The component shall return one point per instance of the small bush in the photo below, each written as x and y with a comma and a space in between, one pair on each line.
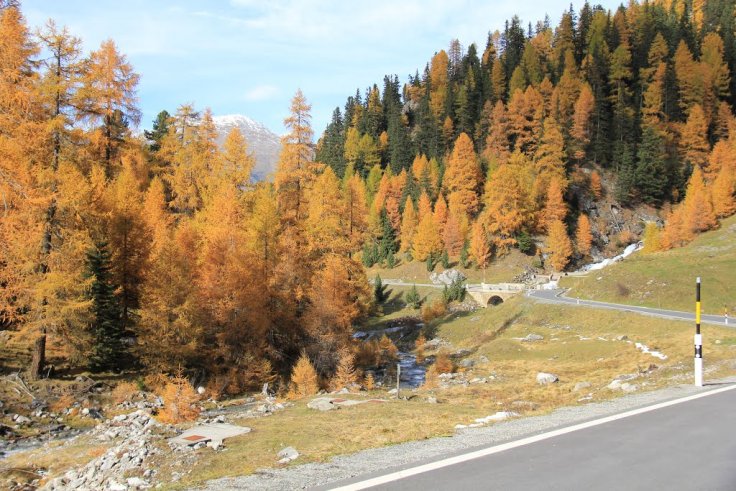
303, 379
413, 298
379, 290
433, 311
626, 237
369, 383
345, 376
62, 403
389, 351
419, 348
445, 260
443, 363
124, 392
455, 292
525, 243
368, 354
180, 401
464, 255
622, 290
431, 378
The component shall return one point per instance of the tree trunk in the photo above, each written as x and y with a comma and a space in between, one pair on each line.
39, 357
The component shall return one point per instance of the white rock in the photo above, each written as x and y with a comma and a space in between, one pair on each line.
201, 390
581, 386
136, 482
627, 387
546, 378
116, 486
460, 427
614, 385
531, 337
287, 455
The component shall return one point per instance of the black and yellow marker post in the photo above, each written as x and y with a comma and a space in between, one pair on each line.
698, 338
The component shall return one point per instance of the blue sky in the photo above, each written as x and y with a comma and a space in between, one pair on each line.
250, 56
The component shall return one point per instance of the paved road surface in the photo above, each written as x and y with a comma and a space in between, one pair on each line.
555, 296
687, 446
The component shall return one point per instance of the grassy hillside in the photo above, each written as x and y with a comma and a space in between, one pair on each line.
667, 279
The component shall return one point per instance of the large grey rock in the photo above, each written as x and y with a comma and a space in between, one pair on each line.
321, 404
447, 277
544, 378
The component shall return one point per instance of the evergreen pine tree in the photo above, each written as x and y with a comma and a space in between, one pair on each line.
651, 168
106, 325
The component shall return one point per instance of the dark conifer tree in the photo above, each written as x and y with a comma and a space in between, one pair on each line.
106, 327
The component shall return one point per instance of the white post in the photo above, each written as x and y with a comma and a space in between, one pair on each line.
398, 380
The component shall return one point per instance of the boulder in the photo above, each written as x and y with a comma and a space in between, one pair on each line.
544, 378
287, 455
321, 404
447, 277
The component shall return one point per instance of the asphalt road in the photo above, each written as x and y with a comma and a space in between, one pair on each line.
687, 446
555, 296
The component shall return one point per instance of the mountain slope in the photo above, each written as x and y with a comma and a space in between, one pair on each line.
667, 279
263, 143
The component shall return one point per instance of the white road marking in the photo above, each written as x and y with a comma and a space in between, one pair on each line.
395, 476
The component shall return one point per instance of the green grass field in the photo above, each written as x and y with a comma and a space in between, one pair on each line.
667, 279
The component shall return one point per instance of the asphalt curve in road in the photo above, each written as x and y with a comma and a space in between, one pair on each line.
688, 445
556, 296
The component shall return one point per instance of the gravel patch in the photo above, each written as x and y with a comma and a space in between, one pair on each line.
389, 459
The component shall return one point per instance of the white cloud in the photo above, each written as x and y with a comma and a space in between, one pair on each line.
261, 93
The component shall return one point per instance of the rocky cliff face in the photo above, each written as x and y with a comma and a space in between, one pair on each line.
263, 143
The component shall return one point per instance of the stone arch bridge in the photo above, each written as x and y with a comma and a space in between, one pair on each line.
494, 294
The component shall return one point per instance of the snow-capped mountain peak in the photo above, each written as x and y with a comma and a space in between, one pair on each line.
263, 143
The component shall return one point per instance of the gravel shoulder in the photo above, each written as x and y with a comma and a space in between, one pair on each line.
390, 459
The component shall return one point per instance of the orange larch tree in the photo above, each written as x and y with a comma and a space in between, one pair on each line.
462, 177
408, 225
480, 249
559, 246
583, 235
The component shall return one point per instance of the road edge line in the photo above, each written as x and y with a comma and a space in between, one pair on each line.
395, 476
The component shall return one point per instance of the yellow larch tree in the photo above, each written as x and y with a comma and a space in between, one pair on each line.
462, 177
294, 173
408, 225
554, 206
438, 83
559, 246
440, 214
338, 297
480, 249
583, 235
426, 239
356, 211
581, 130
508, 201
699, 215
325, 225
693, 144
108, 96
452, 236
724, 192
424, 207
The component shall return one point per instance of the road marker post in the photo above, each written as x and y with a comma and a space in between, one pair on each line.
698, 338
398, 381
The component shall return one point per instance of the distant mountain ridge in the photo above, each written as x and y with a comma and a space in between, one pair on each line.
263, 143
